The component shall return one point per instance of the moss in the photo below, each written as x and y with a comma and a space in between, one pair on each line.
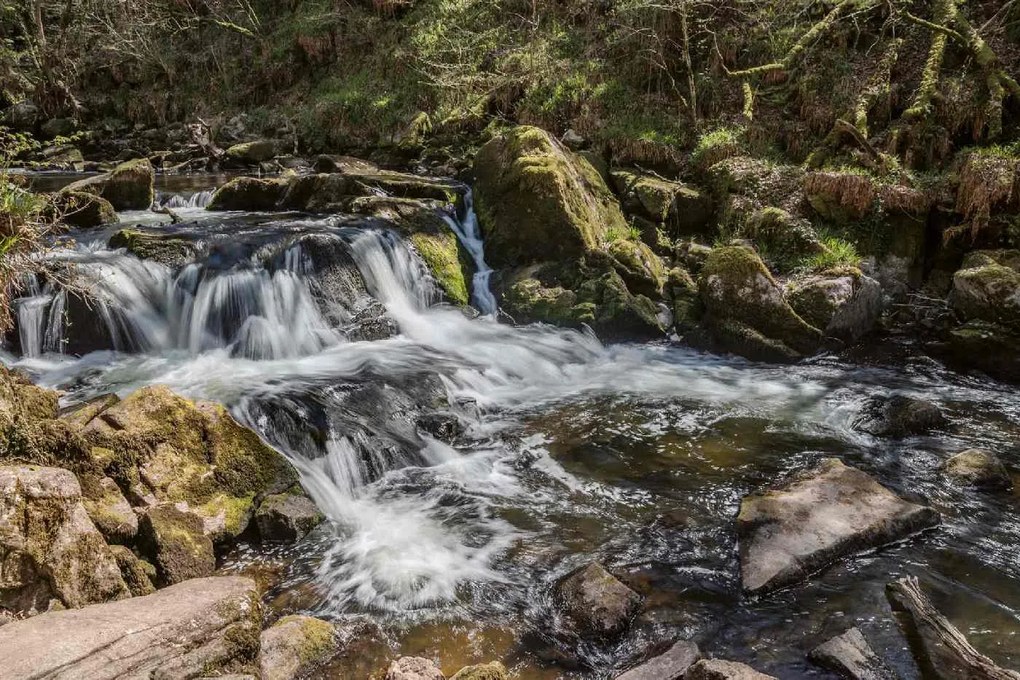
129, 186
175, 543
249, 193
782, 239
317, 637
166, 250
252, 153
841, 197
529, 300
441, 254
717, 145
136, 572
487, 671
640, 268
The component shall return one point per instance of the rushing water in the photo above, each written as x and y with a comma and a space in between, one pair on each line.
570, 450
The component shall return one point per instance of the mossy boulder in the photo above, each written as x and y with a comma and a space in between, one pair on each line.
618, 313
786, 241
536, 201
287, 516
979, 468
441, 254
138, 574
129, 186
50, 548
82, 210
167, 250
322, 193
847, 306
640, 268
986, 347
528, 299
493, 670
682, 209
747, 312
987, 288
175, 544
249, 193
295, 645
194, 455
252, 153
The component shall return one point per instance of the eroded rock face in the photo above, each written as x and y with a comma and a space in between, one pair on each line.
595, 603
414, 668
537, 201
821, 516
846, 307
294, 645
980, 468
129, 186
671, 665
189, 630
850, 655
899, 415
717, 669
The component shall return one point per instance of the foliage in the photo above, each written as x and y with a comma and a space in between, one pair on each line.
839, 253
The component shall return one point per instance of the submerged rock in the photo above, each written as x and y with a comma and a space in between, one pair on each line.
129, 186
899, 415
850, 655
823, 515
414, 668
980, 468
846, 307
49, 545
671, 665
174, 542
287, 516
493, 670
294, 645
717, 669
595, 603
537, 201
199, 627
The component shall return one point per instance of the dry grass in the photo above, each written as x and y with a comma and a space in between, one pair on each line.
853, 193
988, 182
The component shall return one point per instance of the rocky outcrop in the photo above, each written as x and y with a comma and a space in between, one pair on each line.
294, 645
129, 186
899, 415
595, 603
717, 669
50, 548
536, 201
850, 655
846, 307
979, 468
174, 542
286, 516
414, 668
820, 516
671, 665
746, 311
197, 628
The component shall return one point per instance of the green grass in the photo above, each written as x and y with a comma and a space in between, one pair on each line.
839, 253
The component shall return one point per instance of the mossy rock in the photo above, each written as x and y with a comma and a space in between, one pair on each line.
987, 288
111, 513
176, 545
138, 574
252, 153
129, 186
536, 201
287, 516
82, 210
484, 671
167, 250
441, 254
783, 239
846, 306
682, 209
295, 645
989, 348
841, 197
527, 299
322, 193
409, 215
619, 314
640, 268
249, 193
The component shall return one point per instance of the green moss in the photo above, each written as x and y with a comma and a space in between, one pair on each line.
838, 254
717, 145
249, 193
252, 153
441, 255
317, 637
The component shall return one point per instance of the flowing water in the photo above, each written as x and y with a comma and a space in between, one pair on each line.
568, 450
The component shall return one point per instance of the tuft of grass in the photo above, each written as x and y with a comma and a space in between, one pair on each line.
838, 254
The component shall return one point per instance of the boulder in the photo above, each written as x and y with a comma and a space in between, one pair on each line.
850, 656
49, 545
175, 544
82, 210
129, 186
786, 240
294, 645
192, 629
846, 307
899, 415
986, 347
493, 670
286, 516
682, 209
823, 515
536, 201
640, 268
251, 153
138, 574
167, 250
111, 513
746, 311
414, 668
980, 468
987, 288
671, 665
249, 193
716, 669
594, 603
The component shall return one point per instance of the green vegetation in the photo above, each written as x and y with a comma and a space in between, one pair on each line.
838, 254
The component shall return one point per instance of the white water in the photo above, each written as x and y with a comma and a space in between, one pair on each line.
470, 236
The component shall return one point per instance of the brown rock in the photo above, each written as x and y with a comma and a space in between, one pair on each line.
595, 603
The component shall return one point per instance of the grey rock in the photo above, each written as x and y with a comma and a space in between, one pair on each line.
595, 603
672, 665
899, 416
717, 669
844, 307
414, 668
286, 517
294, 645
850, 655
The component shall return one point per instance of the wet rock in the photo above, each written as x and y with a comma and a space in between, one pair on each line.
414, 668
980, 468
174, 542
138, 574
294, 645
899, 415
83, 210
49, 545
287, 516
251, 153
166, 250
986, 347
493, 670
336, 281
188, 630
672, 665
823, 515
850, 655
716, 669
846, 307
249, 193
111, 513
538, 202
594, 603
746, 311
445, 427
129, 186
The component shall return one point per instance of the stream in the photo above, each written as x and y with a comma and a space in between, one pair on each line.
565, 450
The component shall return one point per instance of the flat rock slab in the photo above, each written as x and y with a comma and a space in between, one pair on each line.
828, 513
186, 630
717, 669
668, 666
852, 657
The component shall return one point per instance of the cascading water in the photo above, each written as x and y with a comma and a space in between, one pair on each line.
470, 236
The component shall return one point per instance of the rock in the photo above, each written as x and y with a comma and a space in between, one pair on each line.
538, 202
846, 307
493, 670
249, 193
49, 545
251, 153
821, 516
136, 572
640, 268
850, 655
788, 240
111, 513
294, 645
167, 250
174, 542
593, 602
287, 516
716, 669
23, 116
129, 186
57, 127
747, 312
573, 140
326, 164
980, 468
989, 348
414, 668
840, 197
193, 455
899, 415
682, 209
188, 630
672, 665
987, 288
445, 427
83, 210
441, 254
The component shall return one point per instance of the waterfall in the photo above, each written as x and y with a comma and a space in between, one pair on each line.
197, 200
470, 236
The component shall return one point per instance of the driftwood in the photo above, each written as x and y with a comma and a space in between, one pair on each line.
163, 210
942, 648
201, 134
